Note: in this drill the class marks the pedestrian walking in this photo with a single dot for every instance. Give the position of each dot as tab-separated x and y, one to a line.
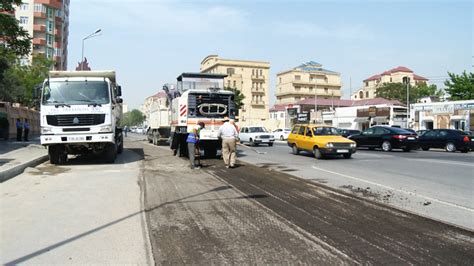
192	141
19	129
26	130
125	129
228	133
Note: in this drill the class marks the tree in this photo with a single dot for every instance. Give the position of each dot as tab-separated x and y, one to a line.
398	91
238	98
133	118
460	87
15	38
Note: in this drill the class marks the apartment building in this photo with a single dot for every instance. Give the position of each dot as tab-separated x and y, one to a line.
251	78
395	75
47	22
307	81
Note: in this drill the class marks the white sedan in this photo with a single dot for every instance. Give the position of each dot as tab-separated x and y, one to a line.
281	133
254	135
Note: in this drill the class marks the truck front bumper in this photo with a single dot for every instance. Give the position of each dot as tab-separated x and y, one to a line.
77	138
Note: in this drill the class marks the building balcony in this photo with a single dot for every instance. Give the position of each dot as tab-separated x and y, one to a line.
39	15
39	28
258	103
57	32
52	3
258	90
57	45
305	93
258	77
57	58
314	83
39	41
59	19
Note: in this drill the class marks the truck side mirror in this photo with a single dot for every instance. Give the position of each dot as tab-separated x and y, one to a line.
37	91
119	100
119	90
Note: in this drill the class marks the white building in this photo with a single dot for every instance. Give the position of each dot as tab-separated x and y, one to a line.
453	115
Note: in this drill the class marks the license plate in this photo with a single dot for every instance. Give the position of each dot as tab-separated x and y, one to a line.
342	151
411	138
80	138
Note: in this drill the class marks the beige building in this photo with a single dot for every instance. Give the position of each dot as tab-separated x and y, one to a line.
47	22
395	75
251	78
307	81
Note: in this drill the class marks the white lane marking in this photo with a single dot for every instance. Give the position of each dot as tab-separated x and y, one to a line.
443	161
395	189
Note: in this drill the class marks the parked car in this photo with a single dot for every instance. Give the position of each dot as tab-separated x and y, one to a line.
347	132
320	140
255	135
386	138
449	139
281	133
421	132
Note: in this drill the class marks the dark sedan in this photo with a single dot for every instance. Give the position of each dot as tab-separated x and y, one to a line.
449	139
348	132
386	138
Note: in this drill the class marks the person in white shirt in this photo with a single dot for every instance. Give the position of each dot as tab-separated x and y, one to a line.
228	134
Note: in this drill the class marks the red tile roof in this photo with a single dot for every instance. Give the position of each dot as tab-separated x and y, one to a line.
416	77
388	72
160	94
278	107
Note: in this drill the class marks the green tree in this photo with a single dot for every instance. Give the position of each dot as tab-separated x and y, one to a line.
238	98
398	91
15	38
460	87
133	118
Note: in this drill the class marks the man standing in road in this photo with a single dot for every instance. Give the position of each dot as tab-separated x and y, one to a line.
228	134
26	130
192	140
19	129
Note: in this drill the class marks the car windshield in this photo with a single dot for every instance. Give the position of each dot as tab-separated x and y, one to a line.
257	129
400	130
325	131
75	92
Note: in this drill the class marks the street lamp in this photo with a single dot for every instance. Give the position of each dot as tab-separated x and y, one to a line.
94	34
407	81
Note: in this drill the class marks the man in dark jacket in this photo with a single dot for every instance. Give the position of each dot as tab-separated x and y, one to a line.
19	129
26	129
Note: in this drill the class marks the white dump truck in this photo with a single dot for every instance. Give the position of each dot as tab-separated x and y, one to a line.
80	114
159	120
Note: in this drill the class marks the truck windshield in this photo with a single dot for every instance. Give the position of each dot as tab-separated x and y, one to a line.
76	92
198	85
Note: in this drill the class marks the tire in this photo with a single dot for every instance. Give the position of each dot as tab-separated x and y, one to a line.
347	155
282	138
110	153
450	147
317	153
426	148
54	154
251	143
270	144
465	151
295	149
406	149
386	146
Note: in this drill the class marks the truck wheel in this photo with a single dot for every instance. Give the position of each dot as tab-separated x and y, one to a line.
54	154
110	153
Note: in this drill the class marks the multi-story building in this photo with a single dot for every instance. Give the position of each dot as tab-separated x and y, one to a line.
307	81
47	22
251	78
395	75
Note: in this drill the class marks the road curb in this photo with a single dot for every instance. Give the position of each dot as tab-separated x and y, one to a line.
18	169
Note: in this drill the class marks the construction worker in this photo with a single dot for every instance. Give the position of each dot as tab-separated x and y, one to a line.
192	140
228	133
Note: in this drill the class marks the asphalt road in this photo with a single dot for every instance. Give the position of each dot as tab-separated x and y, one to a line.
256	215
432	183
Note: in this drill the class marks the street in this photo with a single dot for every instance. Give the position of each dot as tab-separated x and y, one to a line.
149	207
436	184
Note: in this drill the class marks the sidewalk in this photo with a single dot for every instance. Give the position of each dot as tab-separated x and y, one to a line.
15	156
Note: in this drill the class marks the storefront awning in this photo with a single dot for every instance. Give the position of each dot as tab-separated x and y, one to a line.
380	119
362	119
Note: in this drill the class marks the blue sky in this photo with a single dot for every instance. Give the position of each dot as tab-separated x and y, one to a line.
151	42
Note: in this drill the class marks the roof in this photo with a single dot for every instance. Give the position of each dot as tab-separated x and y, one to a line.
416	77
160	94
278	107
312	66
393	70
375	101
200	75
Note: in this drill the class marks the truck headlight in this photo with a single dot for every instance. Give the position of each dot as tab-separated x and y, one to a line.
107	128
329	145
353	145
46	130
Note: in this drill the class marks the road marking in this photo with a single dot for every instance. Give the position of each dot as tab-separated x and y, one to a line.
395	189
445	162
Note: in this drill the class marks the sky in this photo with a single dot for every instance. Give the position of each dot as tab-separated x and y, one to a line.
151	42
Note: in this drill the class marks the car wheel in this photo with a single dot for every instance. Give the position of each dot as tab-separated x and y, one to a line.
450	147
270	144
282	138
347	155
465	151
386	146
317	153
295	149
251	143
426	148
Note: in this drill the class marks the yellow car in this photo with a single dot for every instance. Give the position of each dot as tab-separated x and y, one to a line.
321	140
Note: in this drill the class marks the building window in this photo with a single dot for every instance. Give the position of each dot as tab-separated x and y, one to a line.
297	88
49	39
390	79
282	115
235	85
326	90
366	94
253	72
50	12
297	77
230	71
50	26
361	95
49	52
24	6
40	8
23	20
279	80
261	72
367	84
